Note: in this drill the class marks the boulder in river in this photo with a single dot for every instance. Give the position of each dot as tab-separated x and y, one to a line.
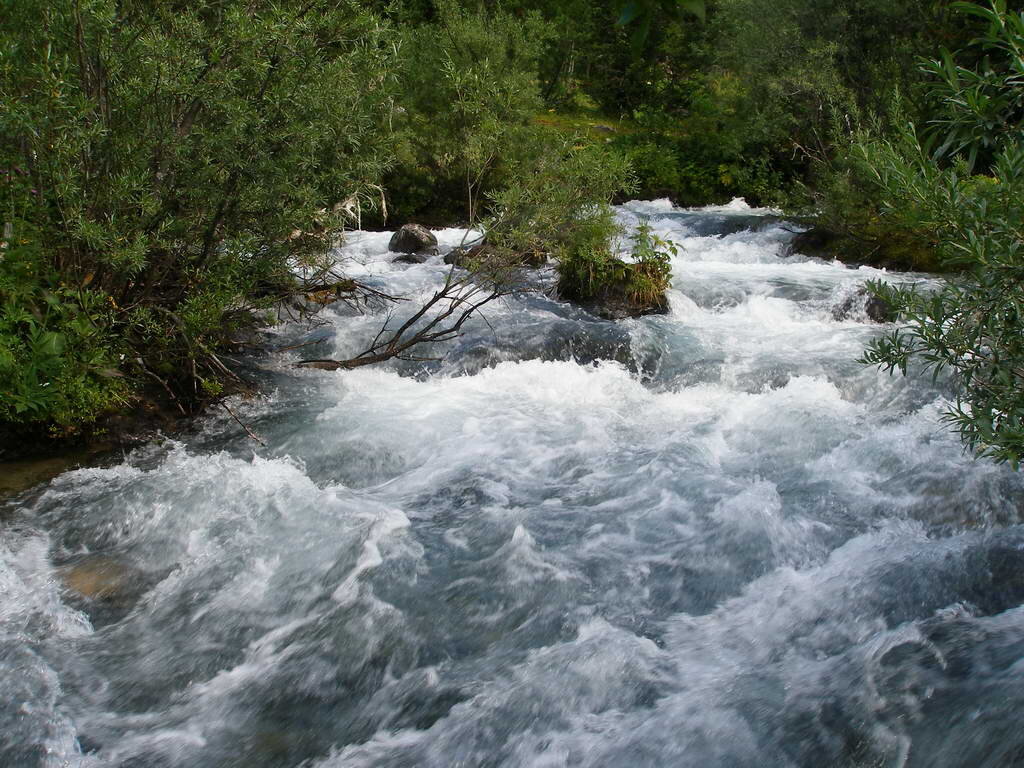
815	241
613	306
622	294
874	308
99	577
879	310
413	238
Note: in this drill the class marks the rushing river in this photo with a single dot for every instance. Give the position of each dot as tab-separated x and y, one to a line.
707	538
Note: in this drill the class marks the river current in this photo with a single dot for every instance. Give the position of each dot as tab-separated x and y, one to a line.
706	538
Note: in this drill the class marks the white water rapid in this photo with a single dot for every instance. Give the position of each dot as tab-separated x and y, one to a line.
709	538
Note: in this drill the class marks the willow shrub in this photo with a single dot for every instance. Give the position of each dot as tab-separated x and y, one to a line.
559	201
158	160
973	327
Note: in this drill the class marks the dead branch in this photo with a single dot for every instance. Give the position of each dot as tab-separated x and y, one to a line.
162	383
300	345
439	319
248	431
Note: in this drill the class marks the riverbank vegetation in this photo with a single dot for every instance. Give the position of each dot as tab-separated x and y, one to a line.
168	168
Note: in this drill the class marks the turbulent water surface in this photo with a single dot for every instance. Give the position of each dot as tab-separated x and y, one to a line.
707	538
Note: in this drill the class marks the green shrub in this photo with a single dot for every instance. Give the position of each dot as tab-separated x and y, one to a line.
558	191
160	161
973	326
651	270
57	363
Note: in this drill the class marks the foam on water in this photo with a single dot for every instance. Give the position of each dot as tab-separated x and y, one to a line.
705	538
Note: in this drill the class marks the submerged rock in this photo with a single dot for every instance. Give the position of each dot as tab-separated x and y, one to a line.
413	238
100	577
875	309
815	241
18	476
411	258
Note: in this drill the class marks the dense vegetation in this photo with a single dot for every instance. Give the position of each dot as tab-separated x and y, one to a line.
158	160
168	167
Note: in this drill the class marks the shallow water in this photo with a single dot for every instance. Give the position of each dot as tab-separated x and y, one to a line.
707	538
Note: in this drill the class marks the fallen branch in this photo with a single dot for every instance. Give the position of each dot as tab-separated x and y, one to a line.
248	431
455	303
302	344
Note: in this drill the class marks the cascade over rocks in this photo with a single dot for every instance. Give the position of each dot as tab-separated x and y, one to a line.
543	479
413	239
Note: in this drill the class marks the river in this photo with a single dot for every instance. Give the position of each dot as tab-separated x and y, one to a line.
706	538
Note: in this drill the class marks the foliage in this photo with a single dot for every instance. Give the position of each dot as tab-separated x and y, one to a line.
799	76
558	197
468	91
973	326
53	362
592	270
978	106
558	203
162	161
865	224
642	14
652	268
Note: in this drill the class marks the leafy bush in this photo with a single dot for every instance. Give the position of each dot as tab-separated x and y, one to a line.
651	271
972	327
557	201
55	361
557	196
978	107
164	165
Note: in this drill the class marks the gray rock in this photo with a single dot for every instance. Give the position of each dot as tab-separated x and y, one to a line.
876	309
614	307
413	238
612	301
814	242
879	310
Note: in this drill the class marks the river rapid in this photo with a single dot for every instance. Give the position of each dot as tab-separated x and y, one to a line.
707	538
